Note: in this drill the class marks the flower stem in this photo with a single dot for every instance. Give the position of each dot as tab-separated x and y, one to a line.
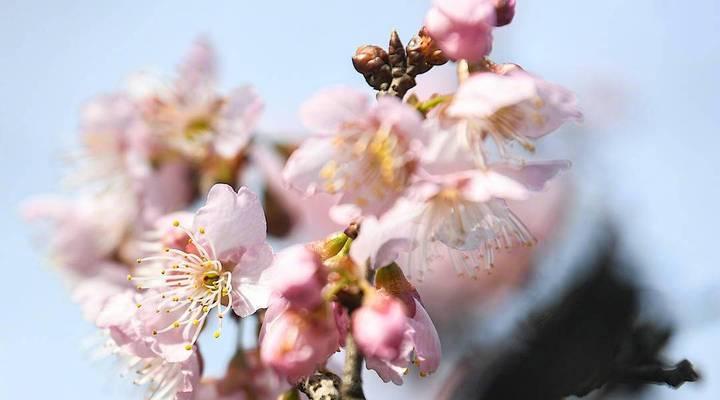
351	386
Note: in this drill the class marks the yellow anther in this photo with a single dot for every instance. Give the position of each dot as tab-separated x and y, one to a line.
129	277
205	309
196	322
162	272
138	305
139	260
221	316
176	324
188	347
167	250
154	332
201	230
175	298
176	223
216	334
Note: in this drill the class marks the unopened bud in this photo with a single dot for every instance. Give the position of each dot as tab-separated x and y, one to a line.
504	12
391	280
373	63
423	53
369	59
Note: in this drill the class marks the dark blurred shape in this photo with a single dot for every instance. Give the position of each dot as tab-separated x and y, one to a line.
280	221
504	12
591	338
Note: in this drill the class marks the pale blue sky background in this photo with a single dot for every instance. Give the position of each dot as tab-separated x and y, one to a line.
645	72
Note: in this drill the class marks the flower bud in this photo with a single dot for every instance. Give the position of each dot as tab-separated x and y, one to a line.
380	327
295	345
391	280
373	63
504	12
423	53
369	59
299	276
462	29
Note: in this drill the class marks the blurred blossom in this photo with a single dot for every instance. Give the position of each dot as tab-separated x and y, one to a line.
379	327
309	218
366	153
460	218
294	343
80	233
299	277
462	28
515	107
189	114
246	378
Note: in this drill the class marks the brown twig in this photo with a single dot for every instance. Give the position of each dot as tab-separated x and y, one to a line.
351	386
321	386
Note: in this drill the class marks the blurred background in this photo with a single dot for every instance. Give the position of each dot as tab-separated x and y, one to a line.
645	159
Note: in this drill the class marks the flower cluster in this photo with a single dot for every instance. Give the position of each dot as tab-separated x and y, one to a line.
164	242
147	270
430	178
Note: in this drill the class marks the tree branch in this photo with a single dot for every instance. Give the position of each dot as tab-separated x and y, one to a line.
351	386
321	386
674	376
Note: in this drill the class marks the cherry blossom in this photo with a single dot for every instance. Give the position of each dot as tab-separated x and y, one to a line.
222	265
366	153
462	28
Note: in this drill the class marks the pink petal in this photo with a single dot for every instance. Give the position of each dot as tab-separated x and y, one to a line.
533	175
379	244
302	170
328	110
485	93
251	280
232	221
197	72
238	118
427	343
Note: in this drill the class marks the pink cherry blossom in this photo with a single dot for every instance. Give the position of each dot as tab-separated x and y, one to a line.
462	216
462	28
298	276
190	115
116	142
163	380
380	326
224	266
163	190
296	344
246	378
418	344
81	233
309	214
365	153
93	293
515	107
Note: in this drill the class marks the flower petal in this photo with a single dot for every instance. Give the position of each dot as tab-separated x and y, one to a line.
533	175
250	280
328	110
233	222
238	118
